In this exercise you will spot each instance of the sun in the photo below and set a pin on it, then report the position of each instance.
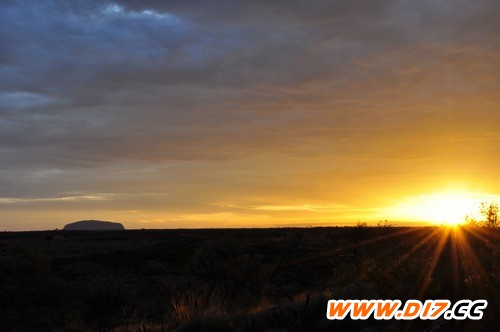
(448, 208)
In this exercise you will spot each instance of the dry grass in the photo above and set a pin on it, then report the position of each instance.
(195, 305)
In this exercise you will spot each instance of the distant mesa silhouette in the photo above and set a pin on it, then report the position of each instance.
(93, 225)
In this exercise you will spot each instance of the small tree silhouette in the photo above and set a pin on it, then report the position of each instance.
(490, 212)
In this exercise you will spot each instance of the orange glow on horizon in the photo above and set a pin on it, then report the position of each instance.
(447, 208)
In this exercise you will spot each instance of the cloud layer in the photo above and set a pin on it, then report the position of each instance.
(177, 106)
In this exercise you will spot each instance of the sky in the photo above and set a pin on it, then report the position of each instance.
(188, 114)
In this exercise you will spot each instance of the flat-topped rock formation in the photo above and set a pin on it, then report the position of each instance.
(94, 225)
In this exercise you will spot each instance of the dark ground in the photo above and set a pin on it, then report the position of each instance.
(276, 279)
